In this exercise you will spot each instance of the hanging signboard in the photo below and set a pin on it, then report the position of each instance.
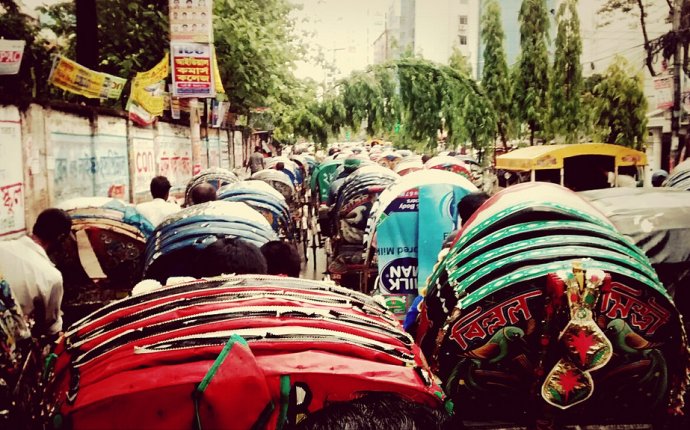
(75, 78)
(663, 91)
(191, 21)
(192, 73)
(11, 52)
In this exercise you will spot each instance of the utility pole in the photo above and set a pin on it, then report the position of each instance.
(677, 61)
(87, 37)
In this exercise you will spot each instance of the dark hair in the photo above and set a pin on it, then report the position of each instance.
(469, 204)
(282, 258)
(376, 411)
(280, 165)
(52, 225)
(202, 193)
(229, 255)
(160, 187)
(425, 158)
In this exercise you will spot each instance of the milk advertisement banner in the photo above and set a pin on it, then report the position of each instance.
(396, 240)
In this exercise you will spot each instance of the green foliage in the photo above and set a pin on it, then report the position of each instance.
(132, 35)
(566, 81)
(532, 80)
(412, 95)
(495, 75)
(255, 46)
(621, 106)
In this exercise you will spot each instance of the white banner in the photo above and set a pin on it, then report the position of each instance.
(11, 52)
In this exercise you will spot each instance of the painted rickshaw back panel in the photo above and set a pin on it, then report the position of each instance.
(520, 328)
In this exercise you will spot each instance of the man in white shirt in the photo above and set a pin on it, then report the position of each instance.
(32, 277)
(159, 208)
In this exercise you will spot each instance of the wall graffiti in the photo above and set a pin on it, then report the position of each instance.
(11, 179)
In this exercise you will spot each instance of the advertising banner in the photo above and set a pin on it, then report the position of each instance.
(397, 244)
(11, 52)
(11, 178)
(663, 91)
(191, 21)
(438, 207)
(148, 88)
(408, 247)
(192, 73)
(75, 78)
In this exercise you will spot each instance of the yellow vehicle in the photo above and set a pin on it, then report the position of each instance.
(584, 166)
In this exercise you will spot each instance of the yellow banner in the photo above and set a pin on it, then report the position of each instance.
(71, 76)
(216, 73)
(148, 87)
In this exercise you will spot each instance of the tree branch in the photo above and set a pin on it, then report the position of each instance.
(650, 55)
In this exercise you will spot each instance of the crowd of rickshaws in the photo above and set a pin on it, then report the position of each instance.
(548, 308)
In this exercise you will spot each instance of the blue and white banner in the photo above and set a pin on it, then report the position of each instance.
(410, 234)
(397, 244)
(438, 215)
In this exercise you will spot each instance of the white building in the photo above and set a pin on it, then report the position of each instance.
(431, 28)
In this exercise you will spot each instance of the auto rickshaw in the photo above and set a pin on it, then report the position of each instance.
(580, 167)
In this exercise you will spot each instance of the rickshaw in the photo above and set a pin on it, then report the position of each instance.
(321, 180)
(680, 177)
(176, 241)
(541, 311)
(241, 352)
(658, 222)
(565, 164)
(389, 159)
(351, 212)
(280, 181)
(449, 164)
(265, 199)
(406, 228)
(409, 165)
(111, 236)
(215, 176)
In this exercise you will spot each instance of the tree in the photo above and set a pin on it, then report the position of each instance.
(664, 44)
(533, 67)
(256, 51)
(412, 95)
(495, 74)
(621, 106)
(566, 80)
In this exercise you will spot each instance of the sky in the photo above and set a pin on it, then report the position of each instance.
(344, 29)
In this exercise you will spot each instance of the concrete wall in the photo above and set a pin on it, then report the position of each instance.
(48, 156)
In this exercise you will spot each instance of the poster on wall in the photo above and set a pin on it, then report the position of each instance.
(11, 53)
(191, 21)
(11, 179)
(192, 74)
